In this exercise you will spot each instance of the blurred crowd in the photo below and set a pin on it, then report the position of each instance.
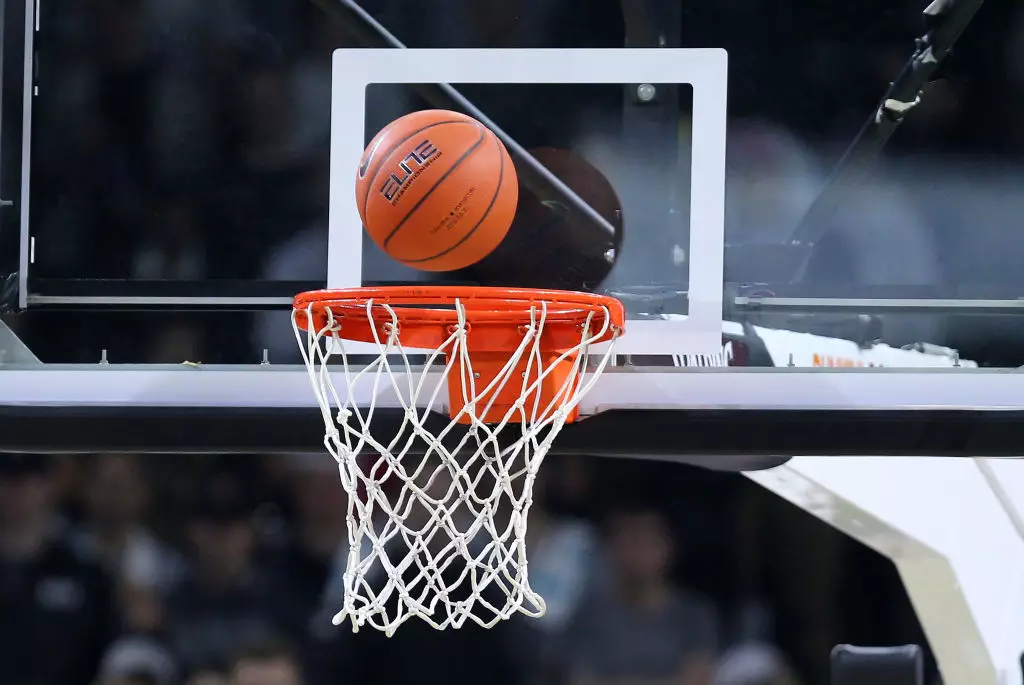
(164, 570)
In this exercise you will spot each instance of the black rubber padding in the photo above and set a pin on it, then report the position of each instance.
(901, 665)
(740, 440)
(490, 206)
(482, 135)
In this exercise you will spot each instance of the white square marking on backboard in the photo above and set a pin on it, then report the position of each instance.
(705, 70)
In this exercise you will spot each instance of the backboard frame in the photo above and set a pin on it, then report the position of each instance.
(704, 69)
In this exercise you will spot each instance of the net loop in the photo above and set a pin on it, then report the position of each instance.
(438, 509)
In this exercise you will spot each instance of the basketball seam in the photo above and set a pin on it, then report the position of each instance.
(438, 182)
(490, 206)
(382, 157)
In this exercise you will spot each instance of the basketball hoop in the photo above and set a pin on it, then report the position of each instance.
(438, 510)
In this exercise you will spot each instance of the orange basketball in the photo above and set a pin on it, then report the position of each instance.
(436, 190)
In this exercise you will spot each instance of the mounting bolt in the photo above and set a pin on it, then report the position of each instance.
(266, 357)
(103, 357)
(645, 92)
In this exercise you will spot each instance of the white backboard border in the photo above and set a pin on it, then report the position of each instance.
(705, 70)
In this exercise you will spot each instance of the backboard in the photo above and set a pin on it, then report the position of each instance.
(783, 298)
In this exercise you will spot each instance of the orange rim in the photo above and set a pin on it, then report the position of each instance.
(496, 322)
(426, 313)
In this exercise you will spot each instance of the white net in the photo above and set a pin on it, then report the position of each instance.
(438, 515)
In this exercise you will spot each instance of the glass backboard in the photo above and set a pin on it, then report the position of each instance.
(177, 172)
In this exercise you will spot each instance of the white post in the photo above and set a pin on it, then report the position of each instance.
(954, 530)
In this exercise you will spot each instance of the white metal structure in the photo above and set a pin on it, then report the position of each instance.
(952, 527)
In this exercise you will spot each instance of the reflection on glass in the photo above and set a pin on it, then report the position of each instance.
(190, 141)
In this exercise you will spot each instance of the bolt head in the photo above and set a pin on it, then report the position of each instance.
(646, 92)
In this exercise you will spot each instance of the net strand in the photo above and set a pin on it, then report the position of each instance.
(437, 521)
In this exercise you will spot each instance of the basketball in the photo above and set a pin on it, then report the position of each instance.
(436, 190)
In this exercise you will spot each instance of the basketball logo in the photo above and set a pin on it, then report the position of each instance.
(436, 190)
(408, 169)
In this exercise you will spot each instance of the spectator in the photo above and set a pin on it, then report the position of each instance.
(223, 603)
(268, 664)
(174, 342)
(641, 629)
(66, 477)
(270, 480)
(173, 249)
(565, 559)
(754, 664)
(572, 479)
(142, 608)
(307, 572)
(207, 677)
(754, 659)
(137, 661)
(808, 592)
(114, 536)
(56, 614)
(565, 564)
